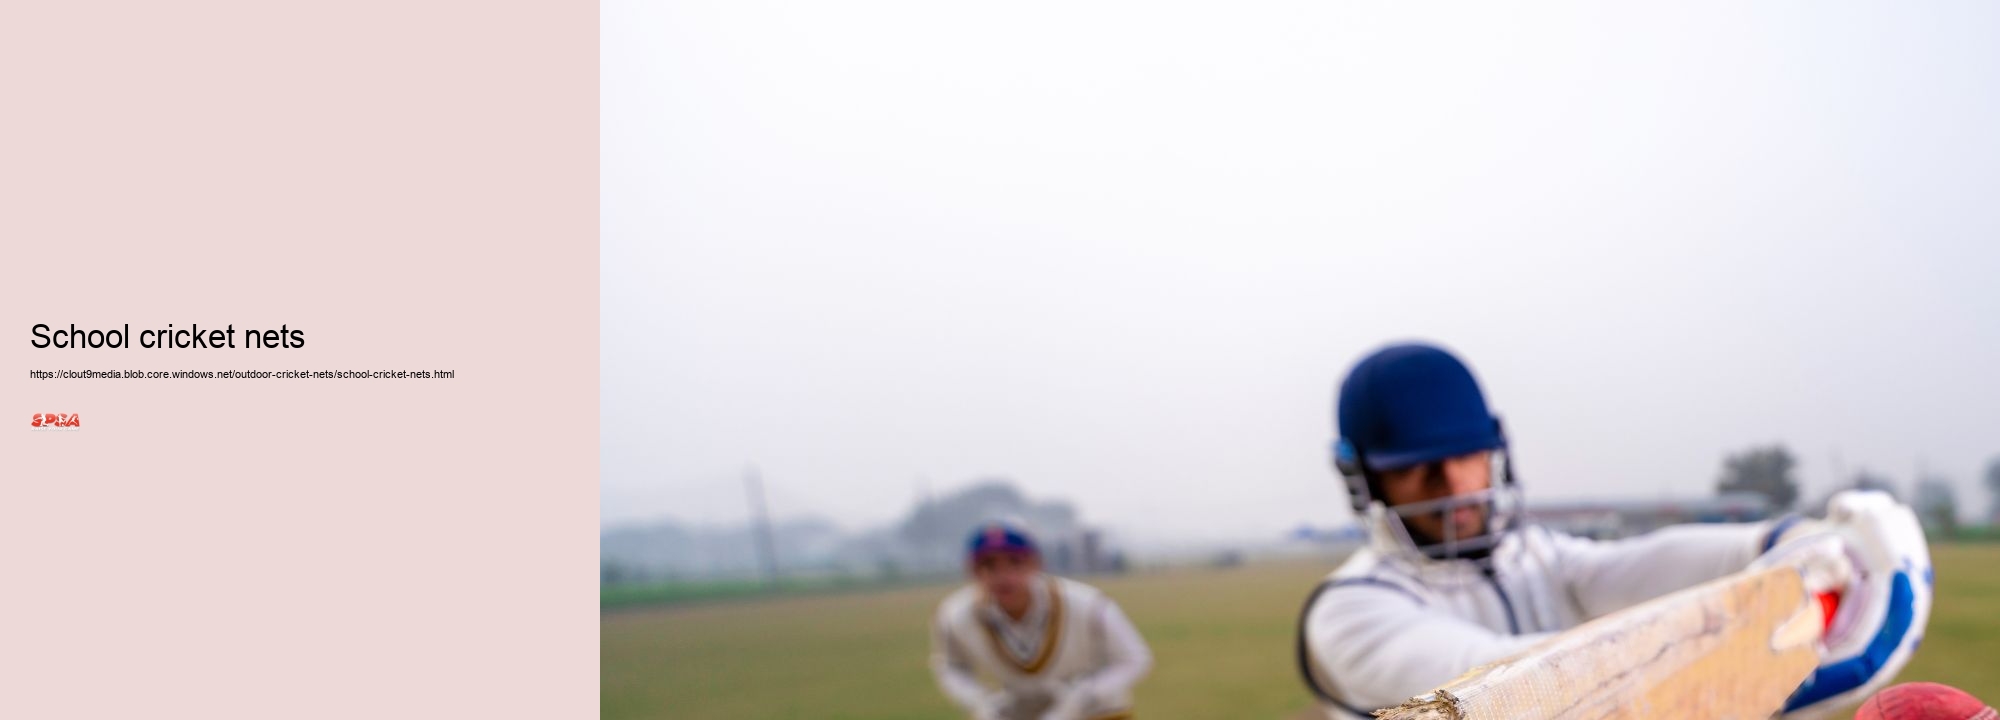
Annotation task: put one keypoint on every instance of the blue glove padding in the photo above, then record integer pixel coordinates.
(1883, 607)
(1839, 677)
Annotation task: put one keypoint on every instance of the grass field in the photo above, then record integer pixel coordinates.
(620, 597)
(1221, 639)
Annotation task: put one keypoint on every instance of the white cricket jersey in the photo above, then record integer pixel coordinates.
(1072, 643)
(1387, 626)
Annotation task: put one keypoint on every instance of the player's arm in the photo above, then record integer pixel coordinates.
(1381, 646)
(1606, 576)
(1127, 661)
(955, 676)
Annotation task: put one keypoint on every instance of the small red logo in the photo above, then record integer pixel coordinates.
(57, 420)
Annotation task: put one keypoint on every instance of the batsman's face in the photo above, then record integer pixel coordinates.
(1457, 475)
(1006, 577)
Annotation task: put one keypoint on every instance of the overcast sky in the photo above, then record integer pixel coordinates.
(1122, 253)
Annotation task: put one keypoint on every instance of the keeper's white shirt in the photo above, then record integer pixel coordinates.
(1385, 626)
(1073, 640)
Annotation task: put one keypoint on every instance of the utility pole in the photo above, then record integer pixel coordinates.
(760, 524)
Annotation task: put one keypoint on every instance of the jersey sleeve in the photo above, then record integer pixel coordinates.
(1380, 645)
(1127, 659)
(1606, 576)
(952, 668)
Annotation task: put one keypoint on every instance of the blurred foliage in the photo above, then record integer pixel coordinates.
(1766, 471)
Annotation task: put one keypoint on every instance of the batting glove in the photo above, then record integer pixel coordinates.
(1871, 569)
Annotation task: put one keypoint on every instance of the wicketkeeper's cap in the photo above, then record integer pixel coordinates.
(999, 536)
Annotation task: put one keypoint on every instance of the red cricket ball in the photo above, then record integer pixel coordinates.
(1924, 701)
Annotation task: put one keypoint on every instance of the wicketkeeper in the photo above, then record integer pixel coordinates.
(1020, 644)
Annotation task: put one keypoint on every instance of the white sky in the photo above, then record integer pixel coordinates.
(1122, 252)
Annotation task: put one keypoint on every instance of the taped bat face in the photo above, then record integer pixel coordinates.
(1732, 648)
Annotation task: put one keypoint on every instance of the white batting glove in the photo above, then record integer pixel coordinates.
(1883, 595)
(1818, 553)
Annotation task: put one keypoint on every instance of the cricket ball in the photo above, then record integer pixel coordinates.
(1924, 701)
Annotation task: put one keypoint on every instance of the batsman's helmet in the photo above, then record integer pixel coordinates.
(1405, 405)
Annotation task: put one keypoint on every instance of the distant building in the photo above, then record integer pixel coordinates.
(1609, 519)
(1599, 519)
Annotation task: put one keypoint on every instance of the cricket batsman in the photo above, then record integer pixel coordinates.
(1452, 579)
(1020, 644)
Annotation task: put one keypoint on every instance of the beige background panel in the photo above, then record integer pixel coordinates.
(413, 185)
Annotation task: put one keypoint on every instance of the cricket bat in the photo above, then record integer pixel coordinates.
(1735, 647)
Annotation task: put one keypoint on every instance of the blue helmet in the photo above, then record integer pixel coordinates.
(1406, 405)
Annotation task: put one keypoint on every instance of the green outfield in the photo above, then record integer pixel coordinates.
(1222, 641)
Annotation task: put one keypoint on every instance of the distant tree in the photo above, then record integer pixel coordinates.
(1937, 506)
(1993, 490)
(1766, 471)
(1866, 480)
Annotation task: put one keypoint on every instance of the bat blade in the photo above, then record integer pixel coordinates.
(1735, 647)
